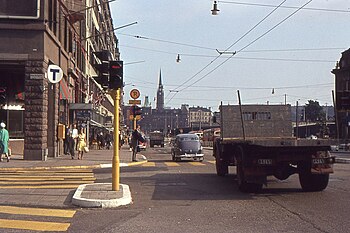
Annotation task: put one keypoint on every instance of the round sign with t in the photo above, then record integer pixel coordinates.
(54, 73)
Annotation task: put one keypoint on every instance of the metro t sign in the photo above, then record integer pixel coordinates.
(54, 73)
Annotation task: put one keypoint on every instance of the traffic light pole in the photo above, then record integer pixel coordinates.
(115, 162)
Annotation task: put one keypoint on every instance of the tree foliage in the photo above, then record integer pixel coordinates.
(314, 112)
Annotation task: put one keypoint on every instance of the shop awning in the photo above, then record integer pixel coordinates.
(64, 91)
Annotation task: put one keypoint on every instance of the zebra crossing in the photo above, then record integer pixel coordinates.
(61, 178)
(48, 180)
(35, 219)
(176, 164)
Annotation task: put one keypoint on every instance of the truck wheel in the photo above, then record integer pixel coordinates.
(221, 167)
(162, 145)
(312, 182)
(243, 185)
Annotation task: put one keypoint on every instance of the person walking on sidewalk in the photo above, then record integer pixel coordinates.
(75, 133)
(136, 136)
(4, 142)
(71, 142)
(81, 143)
(66, 140)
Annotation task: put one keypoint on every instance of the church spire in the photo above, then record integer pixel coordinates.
(160, 93)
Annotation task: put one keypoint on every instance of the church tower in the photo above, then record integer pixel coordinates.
(160, 93)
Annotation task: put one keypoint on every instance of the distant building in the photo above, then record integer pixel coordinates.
(342, 94)
(199, 117)
(170, 121)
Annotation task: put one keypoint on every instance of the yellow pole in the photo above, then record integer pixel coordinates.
(134, 122)
(115, 162)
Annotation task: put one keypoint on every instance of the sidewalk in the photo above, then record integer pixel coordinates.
(86, 195)
(92, 159)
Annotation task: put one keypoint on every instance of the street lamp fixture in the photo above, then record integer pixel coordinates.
(215, 9)
(178, 59)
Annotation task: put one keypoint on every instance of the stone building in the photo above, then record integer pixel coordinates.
(342, 95)
(33, 35)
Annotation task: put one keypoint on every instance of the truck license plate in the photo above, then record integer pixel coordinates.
(265, 161)
(318, 161)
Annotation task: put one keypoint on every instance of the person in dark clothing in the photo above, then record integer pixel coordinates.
(136, 137)
(108, 139)
(66, 141)
(71, 143)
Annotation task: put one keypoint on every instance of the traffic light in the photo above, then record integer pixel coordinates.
(136, 110)
(115, 74)
(102, 68)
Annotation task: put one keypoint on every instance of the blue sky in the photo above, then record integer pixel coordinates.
(294, 58)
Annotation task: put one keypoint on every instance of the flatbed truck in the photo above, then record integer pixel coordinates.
(258, 140)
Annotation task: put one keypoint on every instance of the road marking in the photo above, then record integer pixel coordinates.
(149, 164)
(37, 211)
(40, 187)
(196, 163)
(212, 162)
(52, 176)
(42, 179)
(46, 182)
(33, 225)
(171, 164)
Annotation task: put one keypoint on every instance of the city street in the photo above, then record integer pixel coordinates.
(189, 197)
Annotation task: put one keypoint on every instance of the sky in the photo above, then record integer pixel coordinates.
(270, 54)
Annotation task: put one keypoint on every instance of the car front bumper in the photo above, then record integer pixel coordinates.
(189, 155)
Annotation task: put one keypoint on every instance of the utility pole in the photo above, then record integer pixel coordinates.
(115, 161)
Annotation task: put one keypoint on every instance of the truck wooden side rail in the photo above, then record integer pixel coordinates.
(268, 148)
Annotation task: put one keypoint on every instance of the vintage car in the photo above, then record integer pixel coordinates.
(187, 146)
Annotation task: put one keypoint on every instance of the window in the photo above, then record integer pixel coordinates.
(19, 9)
(260, 116)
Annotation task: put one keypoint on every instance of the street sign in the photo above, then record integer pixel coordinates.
(134, 101)
(54, 73)
(82, 115)
(134, 93)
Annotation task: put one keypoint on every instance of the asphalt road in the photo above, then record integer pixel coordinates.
(189, 197)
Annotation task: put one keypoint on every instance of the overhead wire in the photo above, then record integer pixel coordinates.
(239, 39)
(286, 7)
(249, 44)
(251, 58)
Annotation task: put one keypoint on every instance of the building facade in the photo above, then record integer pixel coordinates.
(33, 35)
(342, 96)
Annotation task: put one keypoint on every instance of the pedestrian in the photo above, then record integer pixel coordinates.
(4, 142)
(136, 137)
(81, 143)
(101, 141)
(66, 140)
(108, 139)
(71, 142)
(75, 133)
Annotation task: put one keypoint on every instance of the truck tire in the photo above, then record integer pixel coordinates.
(221, 167)
(312, 182)
(162, 145)
(243, 185)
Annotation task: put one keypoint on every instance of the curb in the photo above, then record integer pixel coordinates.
(106, 165)
(125, 198)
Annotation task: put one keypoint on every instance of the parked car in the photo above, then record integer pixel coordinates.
(187, 146)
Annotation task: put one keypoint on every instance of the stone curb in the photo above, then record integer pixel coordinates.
(99, 203)
(106, 165)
